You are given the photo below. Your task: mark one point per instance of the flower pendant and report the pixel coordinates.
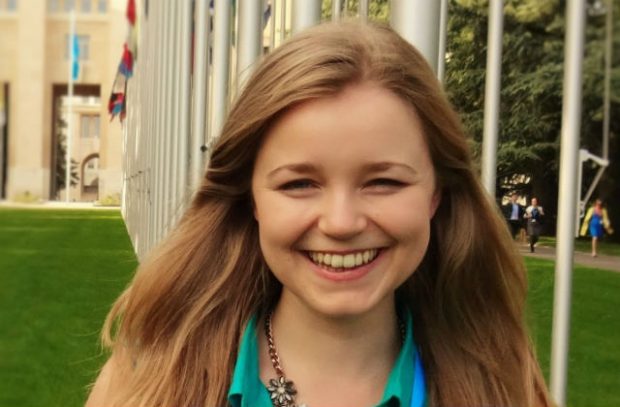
(282, 392)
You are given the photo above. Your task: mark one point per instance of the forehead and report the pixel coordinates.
(362, 122)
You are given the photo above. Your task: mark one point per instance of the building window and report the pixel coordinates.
(89, 126)
(52, 6)
(102, 6)
(96, 125)
(90, 180)
(11, 5)
(85, 126)
(83, 44)
(69, 5)
(86, 6)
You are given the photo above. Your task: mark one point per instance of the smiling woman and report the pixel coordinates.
(337, 178)
(339, 252)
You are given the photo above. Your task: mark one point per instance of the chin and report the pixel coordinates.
(346, 306)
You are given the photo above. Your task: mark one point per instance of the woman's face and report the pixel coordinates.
(344, 192)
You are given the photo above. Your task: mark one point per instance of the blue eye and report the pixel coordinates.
(297, 184)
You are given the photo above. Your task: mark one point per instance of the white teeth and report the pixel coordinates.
(348, 261)
(327, 259)
(336, 261)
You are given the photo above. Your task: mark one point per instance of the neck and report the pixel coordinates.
(317, 351)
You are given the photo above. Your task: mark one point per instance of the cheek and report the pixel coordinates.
(412, 230)
(271, 206)
(412, 233)
(407, 217)
(280, 224)
(277, 241)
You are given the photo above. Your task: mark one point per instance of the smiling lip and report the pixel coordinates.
(344, 274)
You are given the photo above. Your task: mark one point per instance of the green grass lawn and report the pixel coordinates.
(584, 244)
(594, 354)
(60, 271)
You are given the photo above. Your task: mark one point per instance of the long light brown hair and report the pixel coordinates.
(181, 318)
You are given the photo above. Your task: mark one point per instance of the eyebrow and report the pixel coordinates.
(386, 165)
(302, 168)
(306, 168)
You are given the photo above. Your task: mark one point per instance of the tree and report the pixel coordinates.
(531, 91)
(61, 149)
(378, 10)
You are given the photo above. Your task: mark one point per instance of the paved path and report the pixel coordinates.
(581, 258)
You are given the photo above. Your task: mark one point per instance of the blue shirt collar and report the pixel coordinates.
(247, 390)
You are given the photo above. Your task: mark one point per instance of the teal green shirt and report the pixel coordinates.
(247, 390)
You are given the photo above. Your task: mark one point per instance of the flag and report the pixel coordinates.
(117, 103)
(126, 65)
(131, 12)
(75, 58)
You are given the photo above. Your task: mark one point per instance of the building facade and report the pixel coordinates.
(34, 114)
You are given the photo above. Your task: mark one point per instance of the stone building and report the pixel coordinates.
(34, 73)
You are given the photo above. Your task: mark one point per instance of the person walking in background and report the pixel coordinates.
(514, 212)
(534, 214)
(596, 221)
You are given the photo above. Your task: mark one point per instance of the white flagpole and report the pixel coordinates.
(69, 108)
(250, 38)
(221, 65)
(306, 13)
(336, 9)
(492, 95)
(443, 34)
(567, 197)
(417, 21)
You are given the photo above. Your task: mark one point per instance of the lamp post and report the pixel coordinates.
(606, 97)
(595, 9)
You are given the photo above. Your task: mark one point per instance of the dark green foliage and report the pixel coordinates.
(531, 93)
(378, 10)
(61, 149)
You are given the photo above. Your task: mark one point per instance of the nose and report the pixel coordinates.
(342, 216)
